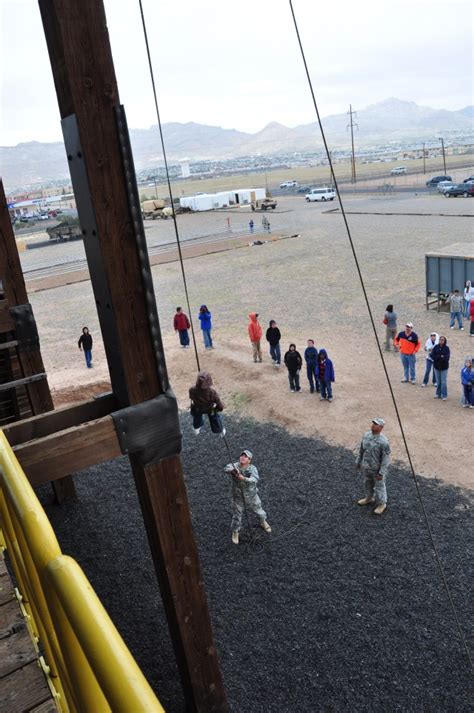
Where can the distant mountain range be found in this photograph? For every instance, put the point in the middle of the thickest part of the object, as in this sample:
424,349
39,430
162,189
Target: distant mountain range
388,121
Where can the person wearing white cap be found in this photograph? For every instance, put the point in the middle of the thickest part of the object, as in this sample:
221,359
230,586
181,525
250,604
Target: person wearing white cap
245,494
373,460
408,344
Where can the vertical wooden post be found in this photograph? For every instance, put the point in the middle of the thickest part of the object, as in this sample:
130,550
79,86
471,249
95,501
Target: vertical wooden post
30,360
86,87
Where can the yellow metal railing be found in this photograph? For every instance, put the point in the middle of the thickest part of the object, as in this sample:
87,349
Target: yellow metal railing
89,668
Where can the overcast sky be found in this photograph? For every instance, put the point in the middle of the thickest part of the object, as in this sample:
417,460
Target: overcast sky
237,65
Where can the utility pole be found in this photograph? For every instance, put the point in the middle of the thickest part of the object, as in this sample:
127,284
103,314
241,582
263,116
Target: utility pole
444,155
351,125
424,161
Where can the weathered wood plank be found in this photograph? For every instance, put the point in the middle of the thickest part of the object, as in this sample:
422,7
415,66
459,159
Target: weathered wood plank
10,618
24,689
16,651
6,321
6,588
46,707
49,458
22,382
53,421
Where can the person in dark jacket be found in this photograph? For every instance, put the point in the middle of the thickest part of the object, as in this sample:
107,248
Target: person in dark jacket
311,359
440,356
206,400
181,325
293,363
325,375
273,337
206,326
85,343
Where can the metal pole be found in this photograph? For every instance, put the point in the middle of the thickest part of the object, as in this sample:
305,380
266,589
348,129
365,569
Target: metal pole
351,125
444,155
424,161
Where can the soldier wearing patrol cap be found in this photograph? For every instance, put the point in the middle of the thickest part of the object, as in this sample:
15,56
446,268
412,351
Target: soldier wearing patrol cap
373,460
245,493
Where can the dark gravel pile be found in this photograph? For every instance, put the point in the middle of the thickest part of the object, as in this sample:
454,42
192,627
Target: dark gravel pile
344,613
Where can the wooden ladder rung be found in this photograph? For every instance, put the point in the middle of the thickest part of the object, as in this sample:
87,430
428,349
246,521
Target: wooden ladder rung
22,382
8,345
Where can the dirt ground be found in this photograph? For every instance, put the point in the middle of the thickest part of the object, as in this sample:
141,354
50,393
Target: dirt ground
310,286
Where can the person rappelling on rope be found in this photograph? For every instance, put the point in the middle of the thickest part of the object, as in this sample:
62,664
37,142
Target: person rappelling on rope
245,494
206,400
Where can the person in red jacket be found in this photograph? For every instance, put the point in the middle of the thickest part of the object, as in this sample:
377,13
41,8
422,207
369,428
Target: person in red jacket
255,334
408,344
181,325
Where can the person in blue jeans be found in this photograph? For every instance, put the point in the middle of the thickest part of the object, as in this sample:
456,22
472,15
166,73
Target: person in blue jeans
206,326
455,309
440,356
430,344
85,343
311,359
325,375
467,382
273,336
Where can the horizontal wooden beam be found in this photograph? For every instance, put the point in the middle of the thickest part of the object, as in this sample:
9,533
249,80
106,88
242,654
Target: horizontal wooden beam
8,345
6,386
45,424
54,456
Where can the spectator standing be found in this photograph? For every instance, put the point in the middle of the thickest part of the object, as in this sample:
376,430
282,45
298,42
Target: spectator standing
251,225
408,345
468,295
326,376
206,400
85,343
205,318
273,337
255,334
390,321
264,223
293,363
373,460
471,310
311,359
440,356
430,343
455,309
245,494
181,325
467,382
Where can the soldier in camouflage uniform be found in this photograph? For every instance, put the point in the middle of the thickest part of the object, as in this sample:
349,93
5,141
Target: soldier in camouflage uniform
245,493
373,459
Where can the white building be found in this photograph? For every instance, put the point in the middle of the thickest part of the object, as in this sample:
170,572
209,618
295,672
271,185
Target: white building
223,199
185,170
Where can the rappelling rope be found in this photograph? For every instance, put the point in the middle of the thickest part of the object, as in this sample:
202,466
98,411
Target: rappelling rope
175,222
394,401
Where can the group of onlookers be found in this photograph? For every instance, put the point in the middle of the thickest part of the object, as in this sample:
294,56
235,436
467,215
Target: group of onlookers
436,347
319,368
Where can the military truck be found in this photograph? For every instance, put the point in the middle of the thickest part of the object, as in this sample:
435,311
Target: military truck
153,209
264,204
66,230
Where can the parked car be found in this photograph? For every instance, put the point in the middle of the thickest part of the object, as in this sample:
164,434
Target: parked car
443,185
321,194
289,184
467,180
398,170
436,179
305,188
463,189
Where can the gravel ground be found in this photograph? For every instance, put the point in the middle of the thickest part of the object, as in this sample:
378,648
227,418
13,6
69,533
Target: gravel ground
344,613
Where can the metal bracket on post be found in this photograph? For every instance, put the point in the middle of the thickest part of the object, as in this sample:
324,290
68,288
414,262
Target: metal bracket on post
26,331
95,261
150,430
139,233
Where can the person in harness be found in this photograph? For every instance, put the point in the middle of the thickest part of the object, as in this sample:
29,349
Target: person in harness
245,494
206,400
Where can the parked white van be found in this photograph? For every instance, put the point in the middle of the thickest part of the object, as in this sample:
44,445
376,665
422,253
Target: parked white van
321,194
398,170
